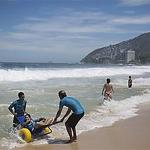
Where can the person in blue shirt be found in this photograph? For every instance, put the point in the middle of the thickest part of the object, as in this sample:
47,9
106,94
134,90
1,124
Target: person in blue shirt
77,113
17,108
34,124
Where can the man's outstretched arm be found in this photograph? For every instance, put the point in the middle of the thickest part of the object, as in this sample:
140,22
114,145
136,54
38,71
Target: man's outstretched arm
67,113
57,115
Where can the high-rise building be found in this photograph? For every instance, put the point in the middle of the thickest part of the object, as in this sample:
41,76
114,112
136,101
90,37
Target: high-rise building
130,56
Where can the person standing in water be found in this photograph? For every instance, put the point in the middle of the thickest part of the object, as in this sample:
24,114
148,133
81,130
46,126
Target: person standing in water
78,112
129,82
107,90
17,108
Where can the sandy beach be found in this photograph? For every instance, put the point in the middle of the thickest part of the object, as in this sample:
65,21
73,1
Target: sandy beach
129,134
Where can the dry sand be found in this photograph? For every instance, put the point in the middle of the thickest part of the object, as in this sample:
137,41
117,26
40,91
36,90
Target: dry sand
129,134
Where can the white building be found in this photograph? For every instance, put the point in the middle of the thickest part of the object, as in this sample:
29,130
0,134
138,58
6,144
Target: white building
130,56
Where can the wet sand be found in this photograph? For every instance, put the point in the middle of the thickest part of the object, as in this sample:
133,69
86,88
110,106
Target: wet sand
129,134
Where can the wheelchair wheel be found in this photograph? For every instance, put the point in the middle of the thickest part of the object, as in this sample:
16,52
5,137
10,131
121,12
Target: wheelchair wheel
25,134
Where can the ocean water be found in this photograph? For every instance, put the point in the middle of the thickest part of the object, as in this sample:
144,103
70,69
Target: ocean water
42,82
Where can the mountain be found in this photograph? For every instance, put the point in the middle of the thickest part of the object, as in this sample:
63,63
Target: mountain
119,53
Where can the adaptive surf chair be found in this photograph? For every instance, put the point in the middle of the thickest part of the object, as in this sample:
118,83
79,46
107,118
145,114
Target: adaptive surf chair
28,136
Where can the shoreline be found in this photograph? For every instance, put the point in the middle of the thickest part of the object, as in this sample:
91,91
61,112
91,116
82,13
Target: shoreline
129,134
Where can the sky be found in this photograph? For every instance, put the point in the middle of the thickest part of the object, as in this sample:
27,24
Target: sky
67,30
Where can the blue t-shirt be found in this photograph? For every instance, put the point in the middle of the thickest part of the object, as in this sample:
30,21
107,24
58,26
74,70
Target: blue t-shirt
31,125
19,106
72,103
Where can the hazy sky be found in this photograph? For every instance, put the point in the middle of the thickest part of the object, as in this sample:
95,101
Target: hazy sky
67,30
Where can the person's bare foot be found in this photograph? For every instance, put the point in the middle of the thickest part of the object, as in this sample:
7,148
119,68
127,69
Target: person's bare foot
74,139
69,141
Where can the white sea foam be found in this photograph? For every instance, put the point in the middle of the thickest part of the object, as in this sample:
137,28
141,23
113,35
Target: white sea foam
104,115
110,112
4,105
11,143
138,81
41,74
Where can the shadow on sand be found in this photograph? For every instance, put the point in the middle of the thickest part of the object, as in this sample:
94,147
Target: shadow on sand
57,141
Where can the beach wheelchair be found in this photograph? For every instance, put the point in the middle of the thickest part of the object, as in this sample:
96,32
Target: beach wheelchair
27,135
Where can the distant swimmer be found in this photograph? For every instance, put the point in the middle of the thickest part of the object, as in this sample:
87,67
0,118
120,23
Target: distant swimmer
129,82
107,90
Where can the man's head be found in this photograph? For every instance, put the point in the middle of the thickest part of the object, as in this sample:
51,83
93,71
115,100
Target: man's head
27,117
21,95
130,77
62,94
108,80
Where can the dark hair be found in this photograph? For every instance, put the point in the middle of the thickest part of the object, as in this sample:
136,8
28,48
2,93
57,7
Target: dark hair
62,94
20,94
108,80
129,76
27,115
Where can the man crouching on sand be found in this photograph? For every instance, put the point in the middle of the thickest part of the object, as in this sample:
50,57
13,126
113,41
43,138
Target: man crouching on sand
78,112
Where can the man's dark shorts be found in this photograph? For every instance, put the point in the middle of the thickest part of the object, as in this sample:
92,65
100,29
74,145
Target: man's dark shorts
73,119
15,121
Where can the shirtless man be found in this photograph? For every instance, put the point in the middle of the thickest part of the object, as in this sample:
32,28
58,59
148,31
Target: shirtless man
107,90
